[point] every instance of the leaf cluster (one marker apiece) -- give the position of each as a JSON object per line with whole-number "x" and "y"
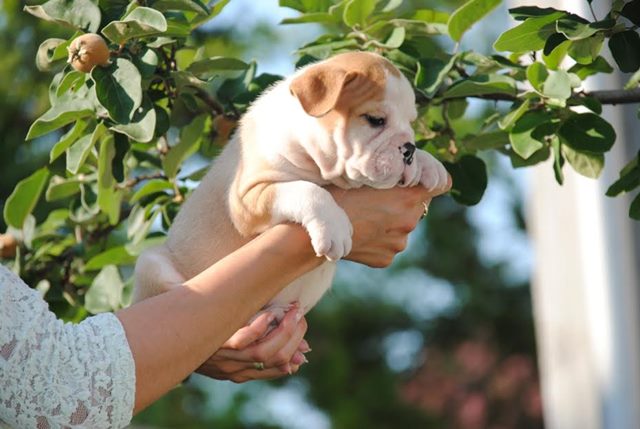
{"x": 125, "y": 131}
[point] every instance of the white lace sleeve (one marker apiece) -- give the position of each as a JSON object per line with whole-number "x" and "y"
{"x": 56, "y": 375}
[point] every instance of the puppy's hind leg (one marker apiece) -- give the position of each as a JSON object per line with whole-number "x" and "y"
{"x": 155, "y": 274}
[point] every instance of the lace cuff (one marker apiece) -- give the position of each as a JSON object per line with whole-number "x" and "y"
{"x": 60, "y": 375}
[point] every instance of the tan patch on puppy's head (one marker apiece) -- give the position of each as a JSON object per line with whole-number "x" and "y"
{"x": 341, "y": 82}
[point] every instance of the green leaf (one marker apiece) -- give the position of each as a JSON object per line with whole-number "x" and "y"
{"x": 108, "y": 197}
{"x": 468, "y": 14}
{"x": 45, "y": 57}
{"x": 469, "y": 177}
{"x": 585, "y": 51}
{"x": 118, "y": 88}
{"x": 574, "y": 27}
{"x": 629, "y": 178}
{"x": 24, "y": 198}
{"x": 105, "y": 293}
{"x": 208, "y": 67}
{"x": 189, "y": 5}
{"x": 72, "y": 80}
{"x": 479, "y": 85}
{"x": 587, "y": 132}
{"x": 431, "y": 73}
{"x": 486, "y": 141}
{"x": 215, "y": 11}
{"x": 557, "y": 85}
{"x": 537, "y": 74}
{"x": 558, "y": 159}
{"x": 524, "y": 12}
{"x": 553, "y": 42}
{"x": 531, "y": 35}
{"x": 60, "y": 115}
{"x": 141, "y": 22}
{"x": 625, "y": 48}
{"x": 65, "y": 141}
{"x": 151, "y": 187}
{"x": 509, "y": 119}
{"x": 528, "y": 133}
{"x": 631, "y": 11}
{"x": 554, "y": 53}
{"x": 540, "y": 156}
{"x": 588, "y": 164}
{"x": 392, "y": 5}
{"x": 147, "y": 62}
{"x": 60, "y": 188}
{"x": 396, "y": 38}
{"x": 634, "y": 209}
{"x": 590, "y": 103}
{"x": 78, "y": 152}
{"x": 114, "y": 256}
{"x": 357, "y": 12}
{"x": 81, "y": 14}
{"x": 316, "y": 17}
{"x": 431, "y": 16}
{"x": 190, "y": 137}
{"x": 633, "y": 81}
{"x": 456, "y": 108}
{"x": 142, "y": 125}
{"x": 599, "y": 65}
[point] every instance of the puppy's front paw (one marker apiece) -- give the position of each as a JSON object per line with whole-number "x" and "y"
{"x": 433, "y": 175}
{"x": 331, "y": 234}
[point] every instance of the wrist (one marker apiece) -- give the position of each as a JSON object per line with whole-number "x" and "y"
{"x": 292, "y": 242}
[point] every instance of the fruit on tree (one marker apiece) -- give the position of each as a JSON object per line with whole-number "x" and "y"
{"x": 8, "y": 244}
{"x": 87, "y": 51}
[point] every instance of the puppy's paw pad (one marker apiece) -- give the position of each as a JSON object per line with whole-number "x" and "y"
{"x": 331, "y": 239}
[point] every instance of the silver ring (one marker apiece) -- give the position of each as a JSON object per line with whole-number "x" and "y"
{"x": 426, "y": 209}
{"x": 258, "y": 365}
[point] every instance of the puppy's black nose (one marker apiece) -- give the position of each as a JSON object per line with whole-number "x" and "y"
{"x": 408, "y": 149}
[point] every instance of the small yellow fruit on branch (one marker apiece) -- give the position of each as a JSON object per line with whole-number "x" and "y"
{"x": 87, "y": 51}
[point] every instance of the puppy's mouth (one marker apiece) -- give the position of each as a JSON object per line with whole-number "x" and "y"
{"x": 382, "y": 169}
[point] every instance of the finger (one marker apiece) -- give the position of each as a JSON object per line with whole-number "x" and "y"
{"x": 263, "y": 350}
{"x": 250, "y": 333}
{"x": 284, "y": 356}
{"x": 266, "y": 374}
{"x": 304, "y": 346}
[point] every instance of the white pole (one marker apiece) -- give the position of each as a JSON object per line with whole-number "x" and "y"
{"x": 586, "y": 280}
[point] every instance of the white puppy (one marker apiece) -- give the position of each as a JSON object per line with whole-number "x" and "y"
{"x": 344, "y": 121}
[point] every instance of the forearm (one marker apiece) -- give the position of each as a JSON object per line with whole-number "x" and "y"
{"x": 171, "y": 334}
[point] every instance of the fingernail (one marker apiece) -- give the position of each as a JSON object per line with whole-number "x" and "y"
{"x": 289, "y": 370}
{"x": 299, "y": 314}
{"x": 271, "y": 318}
{"x": 304, "y": 346}
{"x": 298, "y": 359}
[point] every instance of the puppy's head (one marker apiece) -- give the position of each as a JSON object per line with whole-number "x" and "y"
{"x": 365, "y": 106}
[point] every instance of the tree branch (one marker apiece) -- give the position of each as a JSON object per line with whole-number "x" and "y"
{"x": 615, "y": 96}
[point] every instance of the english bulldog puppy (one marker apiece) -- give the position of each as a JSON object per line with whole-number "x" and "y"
{"x": 345, "y": 121}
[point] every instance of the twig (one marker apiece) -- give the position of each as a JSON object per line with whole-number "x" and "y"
{"x": 608, "y": 96}
{"x": 135, "y": 180}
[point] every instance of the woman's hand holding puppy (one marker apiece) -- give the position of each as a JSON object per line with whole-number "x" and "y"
{"x": 382, "y": 220}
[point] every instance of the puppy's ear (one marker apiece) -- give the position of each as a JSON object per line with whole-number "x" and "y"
{"x": 319, "y": 87}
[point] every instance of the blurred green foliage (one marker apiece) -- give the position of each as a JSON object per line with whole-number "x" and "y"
{"x": 105, "y": 167}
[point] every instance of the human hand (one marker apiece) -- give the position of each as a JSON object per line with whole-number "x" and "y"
{"x": 382, "y": 220}
{"x": 281, "y": 351}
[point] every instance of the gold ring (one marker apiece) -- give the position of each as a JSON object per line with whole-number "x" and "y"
{"x": 426, "y": 209}
{"x": 258, "y": 365}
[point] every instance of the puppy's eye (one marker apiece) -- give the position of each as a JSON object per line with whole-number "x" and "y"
{"x": 375, "y": 121}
